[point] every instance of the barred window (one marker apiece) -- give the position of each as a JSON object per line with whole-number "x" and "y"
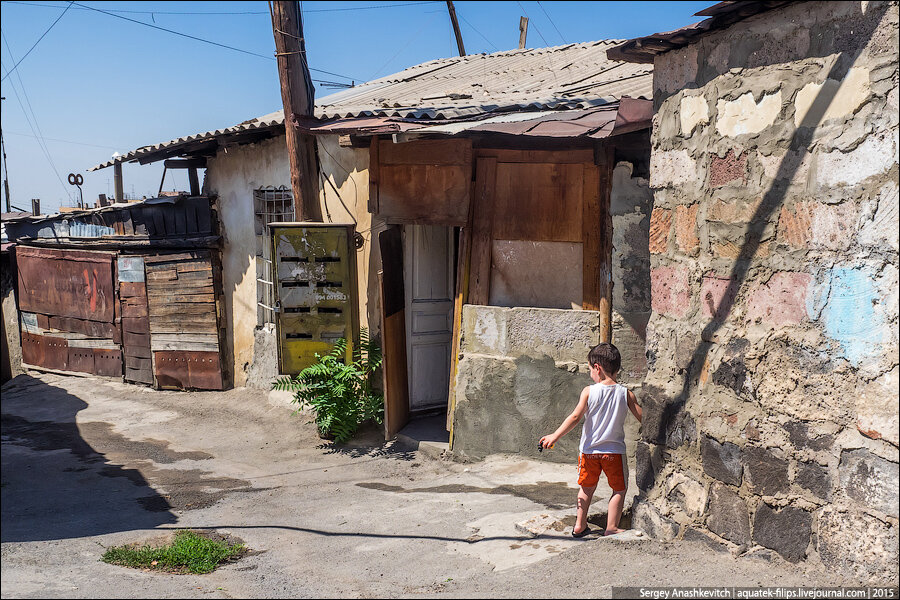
{"x": 270, "y": 205}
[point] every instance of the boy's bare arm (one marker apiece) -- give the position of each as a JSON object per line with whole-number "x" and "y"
{"x": 634, "y": 407}
{"x": 569, "y": 422}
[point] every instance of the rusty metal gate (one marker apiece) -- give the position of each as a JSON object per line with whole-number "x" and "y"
{"x": 316, "y": 291}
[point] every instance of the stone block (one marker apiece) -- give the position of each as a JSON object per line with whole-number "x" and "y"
{"x": 833, "y": 226}
{"x": 873, "y": 157}
{"x": 870, "y": 480}
{"x": 717, "y": 296}
{"x": 694, "y": 110}
{"x": 876, "y": 408}
{"x": 681, "y": 429}
{"x": 676, "y": 69}
{"x": 687, "y": 493}
{"x": 846, "y": 96}
{"x": 798, "y": 432}
{"x": 795, "y": 225}
{"x": 745, "y": 116}
{"x": 781, "y": 301}
{"x": 645, "y": 475}
{"x": 695, "y": 535}
{"x": 686, "y": 228}
{"x": 815, "y": 478}
{"x": 786, "y": 531}
{"x": 857, "y": 544}
{"x": 670, "y": 168}
{"x": 766, "y": 473}
{"x": 878, "y": 219}
{"x": 727, "y": 169}
{"x": 660, "y": 230}
{"x": 792, "y": 166}
{"x": 721, "y": 461}
{"x": 733, "y": 212}
{"x": 730, "y": 250}
{"x": 728, "y": 515}
{"x": 732, "y": 374}
{"x": 648, "y": 519}
{"x": 670, "y": 293}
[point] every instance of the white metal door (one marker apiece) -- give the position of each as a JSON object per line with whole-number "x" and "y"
{"x": 428, "y": 279}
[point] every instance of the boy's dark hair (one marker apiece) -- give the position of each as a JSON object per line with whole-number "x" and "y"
{"x": 607, "y": 356}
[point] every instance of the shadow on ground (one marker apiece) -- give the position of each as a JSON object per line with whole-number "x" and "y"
{"x": 55, "y": 485}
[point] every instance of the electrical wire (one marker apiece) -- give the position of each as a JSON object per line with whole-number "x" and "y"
{"x": 65, "y": 141}
{"x": 476, "y": 31}
{"x": 551, "y": 22}
{"x": 533, "y": 24}
{"x": 35, "y": 127}
{"x": 16, "y": 66}
{"x": 237, "y": 13}
{"x": 199, "y": 39}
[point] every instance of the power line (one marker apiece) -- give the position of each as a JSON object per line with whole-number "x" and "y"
{"x": 65, "y": 141}
{"x": 476, "y": 31}
{"x": 193, "y": 37}
{"x": 551, "y": 22}
{"x": 532, "y": 22}
{"x": 223, "y": 13}
{"x": 15, "y": 66}
{"x": 37, "y": 133}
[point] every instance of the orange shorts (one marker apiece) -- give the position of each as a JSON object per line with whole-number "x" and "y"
{"x": 591, "y": 465}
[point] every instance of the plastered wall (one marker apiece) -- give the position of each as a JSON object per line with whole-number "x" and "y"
{"x": 771, "y": 394}
{"x": 233, "y": 175}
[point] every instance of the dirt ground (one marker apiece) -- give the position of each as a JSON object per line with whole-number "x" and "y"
{"x": 89, "y": 463}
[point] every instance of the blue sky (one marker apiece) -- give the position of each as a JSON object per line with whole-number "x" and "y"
{"x": 100, "y": 83}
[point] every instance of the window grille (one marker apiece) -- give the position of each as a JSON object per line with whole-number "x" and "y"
{"x": 270, "y": 205}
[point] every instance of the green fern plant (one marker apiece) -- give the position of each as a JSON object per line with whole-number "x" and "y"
{"x": 341, "y": 393}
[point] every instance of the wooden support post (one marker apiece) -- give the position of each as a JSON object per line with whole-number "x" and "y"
{"x": 606, "y": 231}
{"x": 523, "y": 31}
{"x": 35, "y": 206}
{"x": 120, "y": 186}
{"x": 298, "y": 98}
{"x": 459, "y": 40}
{"x": 195, "y": 181}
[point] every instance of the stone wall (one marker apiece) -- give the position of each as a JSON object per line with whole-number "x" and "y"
{"x": 631, "y": 203}
{"x": 771, "y": 395}
{"x": 521, "y": 371}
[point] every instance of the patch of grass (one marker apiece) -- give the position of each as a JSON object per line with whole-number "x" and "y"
{"x": 189, "y": 552}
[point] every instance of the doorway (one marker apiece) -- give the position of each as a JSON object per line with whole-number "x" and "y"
{"x": 428, "y": 273}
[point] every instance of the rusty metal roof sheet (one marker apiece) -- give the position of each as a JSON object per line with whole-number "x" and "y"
{"x": 642, "y": 50}
{"x": 573, "y": 76}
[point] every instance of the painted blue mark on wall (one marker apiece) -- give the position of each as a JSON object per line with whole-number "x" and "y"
{"x": 845, "y": 304}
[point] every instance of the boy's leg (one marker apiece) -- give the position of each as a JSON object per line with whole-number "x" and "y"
{"x": 585, "y": 494}
{"x": 614, "y": 515}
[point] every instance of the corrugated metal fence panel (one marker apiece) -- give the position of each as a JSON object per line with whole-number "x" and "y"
{"x": 66, "y": 283}
{"x": 188, "y": 370}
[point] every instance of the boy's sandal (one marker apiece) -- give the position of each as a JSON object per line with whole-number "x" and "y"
{"x": 586, "y": 531}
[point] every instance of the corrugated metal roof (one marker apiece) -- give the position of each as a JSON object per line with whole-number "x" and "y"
{"x": 574, "y": 76}
{"x": 722, "y": 16}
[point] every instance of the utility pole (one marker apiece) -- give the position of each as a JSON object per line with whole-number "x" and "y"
{"x": 298, "y": 98}
{"x": 523, "y": 31}
{"x": 5, "y": 169}
{"x": 459, "y": 42}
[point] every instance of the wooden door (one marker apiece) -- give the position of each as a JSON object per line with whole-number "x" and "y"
{"x": 428, "y": 274}
{"x": 393, "y": 331}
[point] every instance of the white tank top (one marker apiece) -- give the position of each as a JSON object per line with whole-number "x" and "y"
{"x": 604, "y": 421}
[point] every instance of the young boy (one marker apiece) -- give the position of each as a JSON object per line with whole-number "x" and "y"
{"x": 602, "y": 438}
